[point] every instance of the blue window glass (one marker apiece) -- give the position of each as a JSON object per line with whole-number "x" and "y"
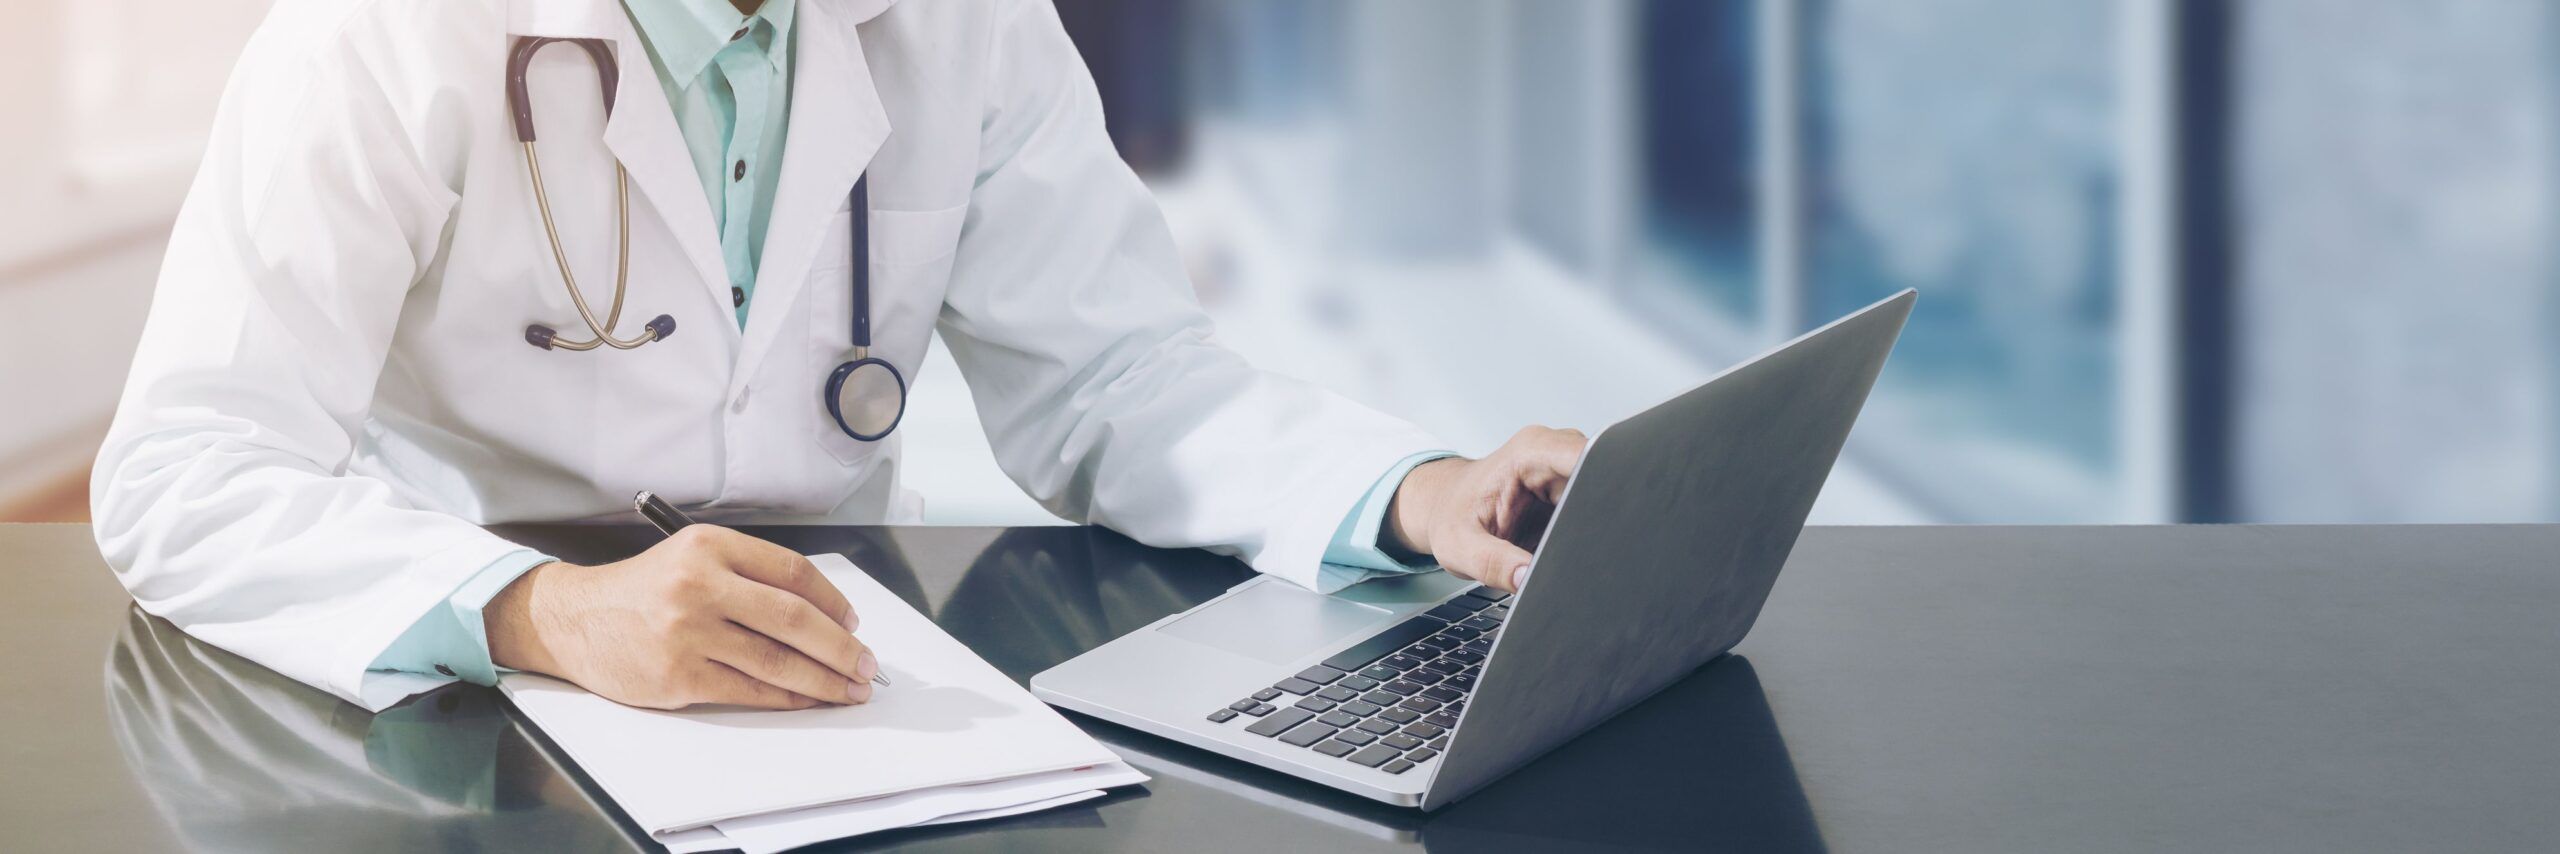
{"x": 1969, "y": 148}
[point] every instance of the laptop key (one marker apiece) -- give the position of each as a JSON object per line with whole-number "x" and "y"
{"x": 1260, "y": 709}
{"x": 1422, "y": 754}
{"x": 1336, "y": 719}
{"x": 1378, "y": 645}
{"x": 1355, "y": 736}
{"x": 1424, "y": 730}
{"x": 1471, "y": 603}
{"x": 1403, "y": 688}
{"x": 1461, "y": 633}
{"x": 1443, "y": 693}
{"x": 1360, "y": 708}
{"x": 1441, "y": 743}
{"x": 1467, "y": 655}
{"x": 1320, "y": 674}
{"x": 1357, "y": 683}
{"x": 1280, "y": 722}
{"x": 1443, "y": 720}
{"x": 1222, "y": 716}
{"x": 1488, "y": 594}
{"x": 1450, "y": 613}
{"x": 1296, "y": 685}
{"x": 1481, "y": 623}
{"x": 1433, "y": 645}
{"x": 1306, "y": 735}
{"x": 1378, "y": 726}
{"x": 1336, "y": 749}
{"x": 1315, "y": 704}
{"x": 1375, "y": 755}
{"x": 1336, "y": 694}
{"x": 1424, "y": 705}
{"x": 1402, "y": 662}
{"x": 1461, "y": 681}
{"x": 1401, "y": 741}
{"x": 1396, "y": 766}
{"x": 1435, "y": 671}
{"x": 1400, "y": 716}
{"x": 1381, "y": 698}
{"x": 1245, "y": 704}
{"x": 1381, "y": 673}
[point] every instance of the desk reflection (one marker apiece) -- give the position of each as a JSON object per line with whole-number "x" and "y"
{"x": 237, "y": 757}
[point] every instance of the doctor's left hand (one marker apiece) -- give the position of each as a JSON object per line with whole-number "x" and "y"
{"x": 1479, "y": 518}
{"x": 709, "y": 615}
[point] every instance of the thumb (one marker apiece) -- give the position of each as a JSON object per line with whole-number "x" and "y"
{"x": 1490, "y": 560}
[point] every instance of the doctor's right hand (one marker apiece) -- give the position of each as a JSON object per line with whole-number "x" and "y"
{"x": 709, "y": 615}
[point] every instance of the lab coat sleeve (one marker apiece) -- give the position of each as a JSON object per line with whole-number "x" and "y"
{"x": 1094, "y": 370}
{"x": 222, "y": 496}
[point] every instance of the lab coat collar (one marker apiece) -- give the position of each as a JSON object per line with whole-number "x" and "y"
{"x": 837, "y": 124}
{"x": 603, "y": 19}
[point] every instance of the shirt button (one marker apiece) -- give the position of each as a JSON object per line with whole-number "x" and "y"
{"x": 444, "y": 670}
{"x": 740, "y": 173}
{"x": 740, "y": 34}
{"x": 737, "y": 296}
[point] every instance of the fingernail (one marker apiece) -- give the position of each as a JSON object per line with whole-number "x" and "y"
{"x": 1519, "y": 576}
{"x": 866, "y": 666}
{"x": 858, "y": 692}
{"x": 852, "y": 621}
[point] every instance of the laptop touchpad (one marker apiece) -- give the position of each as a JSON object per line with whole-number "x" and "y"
{"x": 1277, "y": 623}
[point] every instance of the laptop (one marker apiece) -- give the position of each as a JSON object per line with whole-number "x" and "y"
{"x": 1418, "y": 690}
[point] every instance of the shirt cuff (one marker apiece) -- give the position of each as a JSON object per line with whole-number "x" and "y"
{"x": 452, "y": 641}
{"x": 1356, "y": 554}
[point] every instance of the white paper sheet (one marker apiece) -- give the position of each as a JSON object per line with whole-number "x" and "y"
{"x": 948, "y": 718}
{"x": 772, "y": 832}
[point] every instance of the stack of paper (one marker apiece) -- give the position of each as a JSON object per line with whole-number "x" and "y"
{"x": 950, "y": 739}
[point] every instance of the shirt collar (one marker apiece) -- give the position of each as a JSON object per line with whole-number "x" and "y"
{"x": 686, "y": 34}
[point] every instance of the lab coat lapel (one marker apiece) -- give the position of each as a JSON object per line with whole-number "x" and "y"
{"x": 837, "y": 124}
{"x": 642, "y": 134}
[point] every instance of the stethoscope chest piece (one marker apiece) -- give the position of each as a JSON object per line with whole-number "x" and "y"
{"x": 866, "y": 396}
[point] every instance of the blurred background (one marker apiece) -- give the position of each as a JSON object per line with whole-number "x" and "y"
{"x": 2180, "y": 260}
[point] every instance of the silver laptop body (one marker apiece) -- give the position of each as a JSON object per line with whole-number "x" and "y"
{"x": 1658, "y": 558}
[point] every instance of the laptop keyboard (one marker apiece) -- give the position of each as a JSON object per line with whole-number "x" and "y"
{"x": 1389, "y": 701}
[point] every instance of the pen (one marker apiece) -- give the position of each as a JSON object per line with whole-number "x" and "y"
{"x": 669, "y": 520}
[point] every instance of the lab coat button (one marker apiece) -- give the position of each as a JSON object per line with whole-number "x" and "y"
{"x": 740, "y": 34}
{"x": 740, "y": 173}
{"x": 737, "y": 296}
{"x": 444, "y": 670}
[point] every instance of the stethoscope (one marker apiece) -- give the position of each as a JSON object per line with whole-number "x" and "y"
{"x": 866, "y": 396}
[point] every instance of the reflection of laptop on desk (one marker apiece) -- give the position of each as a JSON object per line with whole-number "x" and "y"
{"x": 1418, "y": 690}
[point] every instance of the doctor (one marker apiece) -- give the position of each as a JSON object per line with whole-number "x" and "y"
{"x": 342, "y": 378}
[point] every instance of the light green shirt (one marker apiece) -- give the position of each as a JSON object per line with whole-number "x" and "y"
{"x": 728, "y": 76}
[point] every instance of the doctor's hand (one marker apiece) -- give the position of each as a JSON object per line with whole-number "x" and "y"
{"x": 1479, "y": 518}
{"x": 709, "y": 615}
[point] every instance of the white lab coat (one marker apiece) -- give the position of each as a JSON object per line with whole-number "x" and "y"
{"x": 333, "y": 394}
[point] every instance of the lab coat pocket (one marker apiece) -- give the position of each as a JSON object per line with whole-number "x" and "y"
{"x": 910, "y": 262}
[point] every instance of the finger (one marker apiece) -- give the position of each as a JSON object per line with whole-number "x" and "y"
{"x": 1547, "y": 459}
{"x": 719, "y": 683}
{"x": 793, "y": 622}
{"x": 774, "y": 664}
{"x": 788, "y": 571}
{"x": 1488, "y": 559}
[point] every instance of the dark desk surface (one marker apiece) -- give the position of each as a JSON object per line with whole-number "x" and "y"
{"x": 1948, "y": 689}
